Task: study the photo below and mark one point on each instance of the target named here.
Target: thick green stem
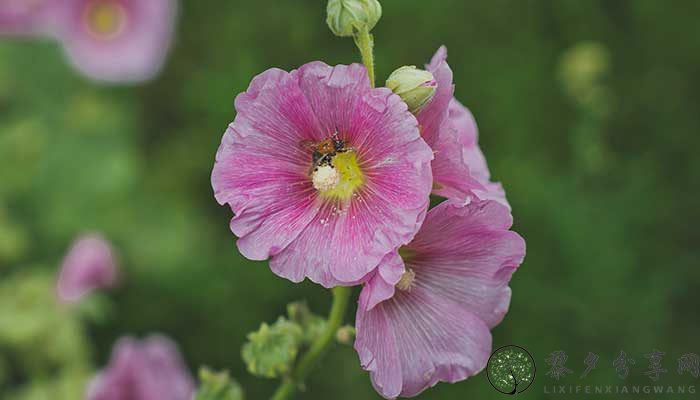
(341, 297)
(365, 43)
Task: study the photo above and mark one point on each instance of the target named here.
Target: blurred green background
(589, 113)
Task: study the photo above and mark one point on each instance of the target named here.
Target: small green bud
(217, 386)
(415, 86)
(344, 16)
(345, 334)
(582, 70)
(271, 351)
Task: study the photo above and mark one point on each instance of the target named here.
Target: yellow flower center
(349, 177)
(105, 18)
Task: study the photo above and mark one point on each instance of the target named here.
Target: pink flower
(425, 316)
(151, 369)
(117, 40)
(323, 173)
(89, 265)
(459, 168)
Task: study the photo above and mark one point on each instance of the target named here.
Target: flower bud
(346, 15)
(415, 86)
(345, 334)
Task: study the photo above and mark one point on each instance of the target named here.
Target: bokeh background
(589, 113)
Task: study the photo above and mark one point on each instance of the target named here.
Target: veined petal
(261, 170)
(468, 255)
(463, 125)
(416, 339)
(434, 114)
(432, 323)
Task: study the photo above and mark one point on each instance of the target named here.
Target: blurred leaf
(217, 386)
(311, 324)
(42, 334)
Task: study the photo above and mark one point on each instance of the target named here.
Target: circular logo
(511, 369)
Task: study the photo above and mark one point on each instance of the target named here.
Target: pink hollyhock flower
(425, 315)
(89, 265)
(323, 173)
(151, 369)
(459, 168)
(118, 40)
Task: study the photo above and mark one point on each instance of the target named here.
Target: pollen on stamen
(407, 280)
(325, 178)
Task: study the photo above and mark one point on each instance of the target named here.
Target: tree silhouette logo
(511, 369)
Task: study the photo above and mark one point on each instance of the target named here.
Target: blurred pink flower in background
(331, 220)
(106, 40)
(117, 40)
(425, 315)
(150, 369)
(88, 266)
(27, 17)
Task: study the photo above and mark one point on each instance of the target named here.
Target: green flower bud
(345, 334)
(344, 16)
(415, 86)
(217, 386)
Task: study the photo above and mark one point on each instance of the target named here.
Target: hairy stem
(365, 43)
(341, 297)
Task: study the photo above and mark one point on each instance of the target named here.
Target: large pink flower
(459, 168)
(151, 369)
(89, 265)
(322, 172)
(117, 40)
(425, 317)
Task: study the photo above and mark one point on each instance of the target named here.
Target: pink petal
(381, 286)
(434, 114)
(261, 170)
(88, 266)
(466, 131)
(416, 339)
(467, 254)
(151, 369)
(451, 171)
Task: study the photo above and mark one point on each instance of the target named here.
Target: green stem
(341, 297)
(365, 43)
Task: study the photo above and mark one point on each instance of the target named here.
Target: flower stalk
(365, 43)
(341, 297)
